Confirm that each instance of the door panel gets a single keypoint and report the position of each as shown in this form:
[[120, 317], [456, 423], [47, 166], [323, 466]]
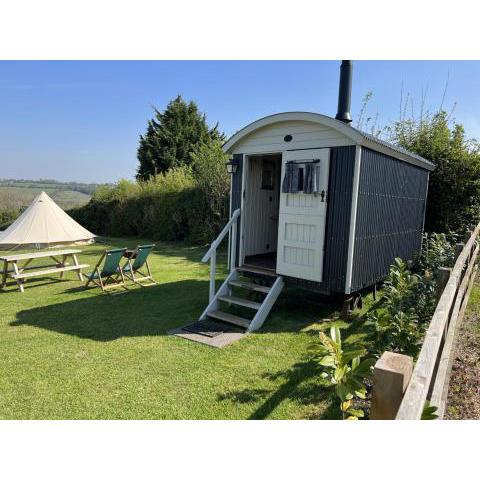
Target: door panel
[[261, 207], [301, 227]]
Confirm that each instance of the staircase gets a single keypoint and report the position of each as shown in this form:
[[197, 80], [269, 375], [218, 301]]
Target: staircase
[[245, 298]]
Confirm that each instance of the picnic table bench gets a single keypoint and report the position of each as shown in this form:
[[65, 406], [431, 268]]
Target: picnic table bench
[[12, 268]]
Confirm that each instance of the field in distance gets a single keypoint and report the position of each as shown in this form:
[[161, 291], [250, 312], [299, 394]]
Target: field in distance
[[18, 194]]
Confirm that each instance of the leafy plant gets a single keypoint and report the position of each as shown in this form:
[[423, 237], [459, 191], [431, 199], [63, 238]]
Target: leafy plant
[[395, 319], [454, 186], [429, 412], [344, 369], [436, 252]]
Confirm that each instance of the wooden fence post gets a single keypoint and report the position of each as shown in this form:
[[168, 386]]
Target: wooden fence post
[[443, 274], [391, 376], [458, 249]]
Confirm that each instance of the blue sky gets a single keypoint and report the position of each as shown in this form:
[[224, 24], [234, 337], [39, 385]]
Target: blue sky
[[81, 120]]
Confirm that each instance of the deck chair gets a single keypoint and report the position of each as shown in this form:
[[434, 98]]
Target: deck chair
[[133, 267], [110, 275]]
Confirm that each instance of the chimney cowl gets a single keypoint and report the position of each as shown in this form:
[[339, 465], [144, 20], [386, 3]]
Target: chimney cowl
[[345, 92]]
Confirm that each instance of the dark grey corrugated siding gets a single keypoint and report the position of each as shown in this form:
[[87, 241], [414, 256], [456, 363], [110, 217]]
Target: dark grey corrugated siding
[[390, 213], [340, 186], [237, 194]]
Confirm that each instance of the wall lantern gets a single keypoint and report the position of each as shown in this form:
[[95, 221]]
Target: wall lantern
[[232, 165]]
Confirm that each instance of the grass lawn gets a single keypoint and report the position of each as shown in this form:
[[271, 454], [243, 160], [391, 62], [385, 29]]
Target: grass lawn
[[69, 353], [463, 396]]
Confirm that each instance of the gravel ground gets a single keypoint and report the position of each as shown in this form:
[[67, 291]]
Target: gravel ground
[[464, 393]]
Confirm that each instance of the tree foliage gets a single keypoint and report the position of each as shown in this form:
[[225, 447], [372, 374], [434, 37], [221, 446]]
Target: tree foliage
[[454, 187], [171, 137], [188, 202], [453, 203]]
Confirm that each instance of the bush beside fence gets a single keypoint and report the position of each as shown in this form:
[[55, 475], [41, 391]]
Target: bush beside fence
[[430, 378]]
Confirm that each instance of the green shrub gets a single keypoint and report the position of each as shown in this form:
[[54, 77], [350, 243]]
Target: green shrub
[[454, 186], [395, 319], [436, 252], [403, 314], [185, 203], [344, 370], [8, 216]]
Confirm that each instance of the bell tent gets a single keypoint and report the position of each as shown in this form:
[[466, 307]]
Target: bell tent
[[43, 224]]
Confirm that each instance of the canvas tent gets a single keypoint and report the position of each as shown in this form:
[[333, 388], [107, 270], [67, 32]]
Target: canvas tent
[[41, 225]]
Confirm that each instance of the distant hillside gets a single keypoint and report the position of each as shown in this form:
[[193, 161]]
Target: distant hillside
[[18, 194]]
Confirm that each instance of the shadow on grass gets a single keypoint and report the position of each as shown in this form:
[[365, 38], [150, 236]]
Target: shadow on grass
[[34, 283], [297, 310], [153, 310], [139, 312], [300, 384]]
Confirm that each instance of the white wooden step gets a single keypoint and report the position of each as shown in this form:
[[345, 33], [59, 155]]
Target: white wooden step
[[249, 286], [257, 270], [229, 318], [240, 301]]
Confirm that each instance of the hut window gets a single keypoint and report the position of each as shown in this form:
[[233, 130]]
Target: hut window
[[302, 177], [293, 179], [268, 169]]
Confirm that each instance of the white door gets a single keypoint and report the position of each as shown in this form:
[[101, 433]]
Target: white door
[[302, 219]]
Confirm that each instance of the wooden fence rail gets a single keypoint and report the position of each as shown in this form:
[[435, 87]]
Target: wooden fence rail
[[430, 377]]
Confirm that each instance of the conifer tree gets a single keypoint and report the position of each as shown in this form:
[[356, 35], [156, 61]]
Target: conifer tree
[[171, 137]]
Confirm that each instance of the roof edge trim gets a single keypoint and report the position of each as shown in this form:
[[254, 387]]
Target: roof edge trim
[[356, 136]]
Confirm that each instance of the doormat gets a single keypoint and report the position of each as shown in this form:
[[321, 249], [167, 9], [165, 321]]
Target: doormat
[[210, 332], [209, 328]]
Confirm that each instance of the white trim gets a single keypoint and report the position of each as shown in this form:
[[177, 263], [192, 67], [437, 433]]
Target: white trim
[[230, 216], [424, 211], [353, 218], [223, 290], [267, 305], [341, 127], [380, 147], [354, 135], [242, 211]]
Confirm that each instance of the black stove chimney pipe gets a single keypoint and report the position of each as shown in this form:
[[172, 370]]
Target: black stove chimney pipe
[[345, 92]]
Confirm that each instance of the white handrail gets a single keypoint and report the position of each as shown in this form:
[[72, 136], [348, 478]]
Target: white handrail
[[212, 251], [221, 236]]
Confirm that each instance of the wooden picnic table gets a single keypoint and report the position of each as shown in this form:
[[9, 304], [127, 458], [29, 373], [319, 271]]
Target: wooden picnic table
[[18, 266]]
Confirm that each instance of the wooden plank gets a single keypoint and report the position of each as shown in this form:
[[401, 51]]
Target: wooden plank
[[240, 301], [443, 274], [440, 387], [267, 305], [64, 258], [35, 267], [27, 256], [245, 268], [249, 286], [17, 272], [417, 391], [39, 273], [79, 271], [229, 318]]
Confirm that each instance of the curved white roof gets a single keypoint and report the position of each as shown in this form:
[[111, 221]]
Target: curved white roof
[[43, 223], [356, 136]]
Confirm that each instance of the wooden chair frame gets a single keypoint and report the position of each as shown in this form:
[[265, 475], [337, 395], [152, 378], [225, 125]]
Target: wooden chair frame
[[144, 277], [142, 281], [103, 282]]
